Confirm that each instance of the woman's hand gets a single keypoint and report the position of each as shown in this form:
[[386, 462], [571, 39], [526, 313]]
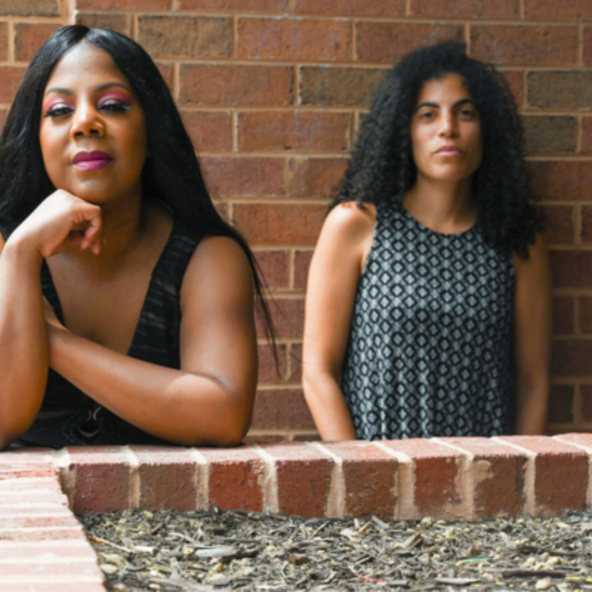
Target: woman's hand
[[60, 222]]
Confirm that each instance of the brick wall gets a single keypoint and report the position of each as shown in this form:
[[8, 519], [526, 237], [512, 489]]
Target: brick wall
[[272, 92]]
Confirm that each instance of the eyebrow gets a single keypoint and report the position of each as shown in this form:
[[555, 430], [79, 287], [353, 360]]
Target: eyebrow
[[436, 106], [67, 91]]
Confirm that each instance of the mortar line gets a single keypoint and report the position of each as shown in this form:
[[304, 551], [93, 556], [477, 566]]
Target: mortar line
[[135, 489], [201, 479], [405, 508], [270, 482], [336, 501]]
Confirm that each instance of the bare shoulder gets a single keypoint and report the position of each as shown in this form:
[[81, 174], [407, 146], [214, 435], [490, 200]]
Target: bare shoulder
[[219, 265], [538, 257], [350, 221]]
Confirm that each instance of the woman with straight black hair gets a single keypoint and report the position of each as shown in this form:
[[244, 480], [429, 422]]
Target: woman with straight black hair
[[126, 302], [428, 298]]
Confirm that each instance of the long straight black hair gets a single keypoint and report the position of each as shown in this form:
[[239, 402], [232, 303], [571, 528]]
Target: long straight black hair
[[171, 176]]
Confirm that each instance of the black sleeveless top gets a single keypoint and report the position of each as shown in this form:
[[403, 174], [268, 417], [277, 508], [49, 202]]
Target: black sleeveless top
[[156, 340], [430, 351]]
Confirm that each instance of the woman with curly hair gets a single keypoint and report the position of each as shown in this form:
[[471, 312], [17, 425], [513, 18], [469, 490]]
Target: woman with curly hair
[[428, 300], [126, 302]]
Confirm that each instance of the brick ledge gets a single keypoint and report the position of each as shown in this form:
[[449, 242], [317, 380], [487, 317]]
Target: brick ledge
[[447, 478]]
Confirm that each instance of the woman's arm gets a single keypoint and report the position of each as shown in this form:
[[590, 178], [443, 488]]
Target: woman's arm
[[210, 399], [23, 334], [532, 330], [335, 271]]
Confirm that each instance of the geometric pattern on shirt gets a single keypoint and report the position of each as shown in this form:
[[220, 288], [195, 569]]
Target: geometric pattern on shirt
[[430, 351]]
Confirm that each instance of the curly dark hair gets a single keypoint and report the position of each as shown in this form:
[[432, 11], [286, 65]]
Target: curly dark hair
[[382, 169]]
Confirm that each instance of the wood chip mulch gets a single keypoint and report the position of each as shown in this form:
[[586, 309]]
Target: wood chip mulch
[[214, 551]]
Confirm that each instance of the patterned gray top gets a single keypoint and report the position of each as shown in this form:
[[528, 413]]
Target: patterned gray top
[[430, 351]]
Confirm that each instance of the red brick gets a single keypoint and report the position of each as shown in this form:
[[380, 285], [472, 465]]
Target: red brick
[[298, 131], [436, 473], [11, 78], [465, 8], [115, 22], [316, 177], [274, 266], [236, 85], [550, 134], [234, 5], [253, 438], [551, 10], [329, 87], [586, 314], [571, 358], [301, 266], [278, 409], [560, 226], [288, 317], [515, 81], [273, 224], [571, 269], [3, 41], [563, 90], [295, 355], [30, 8], [209, 131], [123, 5], [569, 180], [584, 440], [168, 478], [563, 315], [186, 36], [587, 46], [294, 39], [3, 114], [268, 373], [587, 135], [236, 479], [498, 476], [28, 38], [355, 8], [102, 479], [386, 43], [370, 479], [586, 235], [17, 521], [556, 465], [525, 45], [561, 403], [166, 71], [586, 402], [303, 479], [245, 177]]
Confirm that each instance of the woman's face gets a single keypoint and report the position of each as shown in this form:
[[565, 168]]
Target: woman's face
[[92, 133], [446, 130]]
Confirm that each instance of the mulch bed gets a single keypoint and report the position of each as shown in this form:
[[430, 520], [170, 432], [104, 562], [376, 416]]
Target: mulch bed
[[175, 551]]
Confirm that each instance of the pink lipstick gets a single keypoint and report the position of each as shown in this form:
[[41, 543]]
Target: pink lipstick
[[90, 161]]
